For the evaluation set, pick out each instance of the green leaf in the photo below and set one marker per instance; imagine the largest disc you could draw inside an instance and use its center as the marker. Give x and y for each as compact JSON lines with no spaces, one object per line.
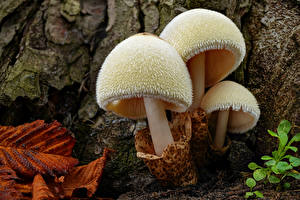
{"x":287,"y":156}
{"x":248,"y":194}
{"x":250,"y":182}
{"x":286,"y":185}
{"x":258,"y":194}
{"x":284,"y":127}
{"x":266,"y":158}
{"x":295,"y":162}
{"x":270,"y":163}
{"x":283,"y":166}
{"x":295,"y":175}
{"x":294,"y":149}
{"x":259,"y":174}
{"x":253,"y":166}
{"x":283,"y":138}
{"x":274,"y":153}
{"x":272,"y":133}
{"x":275,"y":170}
{"x":273,"y":179}
{"x":297,"y":137}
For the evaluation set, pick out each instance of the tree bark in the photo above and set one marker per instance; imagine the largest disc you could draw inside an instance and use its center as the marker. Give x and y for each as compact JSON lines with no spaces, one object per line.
{"x":51,"y":51}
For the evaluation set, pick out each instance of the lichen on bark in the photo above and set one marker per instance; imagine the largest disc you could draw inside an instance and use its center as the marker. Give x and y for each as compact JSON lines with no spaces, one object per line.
{"x":42,"y":62}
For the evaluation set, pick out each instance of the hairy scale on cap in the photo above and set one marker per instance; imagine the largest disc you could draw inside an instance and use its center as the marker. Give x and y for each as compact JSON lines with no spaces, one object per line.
{"x":210,"y":43}
{"x":142,"y":76}
{"x":237,"y":108}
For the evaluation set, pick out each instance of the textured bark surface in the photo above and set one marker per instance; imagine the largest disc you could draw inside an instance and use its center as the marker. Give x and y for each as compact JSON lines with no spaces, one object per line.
{"x":51,"y":51}
{"x":274,"y":67}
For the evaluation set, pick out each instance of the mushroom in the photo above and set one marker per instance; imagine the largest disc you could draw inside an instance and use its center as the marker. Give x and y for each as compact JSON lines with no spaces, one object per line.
{"x":142,"y":76}
{"x":237,"y":109}
{"x":210,"y":43}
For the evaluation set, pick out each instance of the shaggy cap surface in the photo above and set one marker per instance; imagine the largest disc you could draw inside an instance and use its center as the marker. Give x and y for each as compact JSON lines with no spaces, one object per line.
{"x":228,"y":95}
{"x":143,"y":66}
{"x":201,"y":30}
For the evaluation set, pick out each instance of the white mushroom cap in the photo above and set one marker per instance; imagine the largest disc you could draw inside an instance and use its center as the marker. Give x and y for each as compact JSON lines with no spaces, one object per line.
{"x":201,"y":30}
{"x":228,"y":95}
{"x":143,"y":66}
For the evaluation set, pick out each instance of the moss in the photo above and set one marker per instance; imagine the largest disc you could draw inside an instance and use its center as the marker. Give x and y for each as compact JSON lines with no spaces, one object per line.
{"x":23,"y":83}
{"x":165,"y":17}
{"x":23,"y":78}
{"x":124,"y":161}
{"x":8,"y":6}
{"x":79,"y":63}
{"x":70,"y":9}
{"x":194,"y":3}
{"x":47,"y":66}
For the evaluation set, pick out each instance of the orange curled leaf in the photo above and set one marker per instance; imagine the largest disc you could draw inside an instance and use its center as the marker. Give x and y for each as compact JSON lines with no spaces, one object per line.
{"x":37,"y":147}
{"x":7,"y":184}
{"x":24,"y":188}
{"x":86,"y":176}
{"x":7,"y":174}
{"x":40,"y":190}
{"x":38,"y":136}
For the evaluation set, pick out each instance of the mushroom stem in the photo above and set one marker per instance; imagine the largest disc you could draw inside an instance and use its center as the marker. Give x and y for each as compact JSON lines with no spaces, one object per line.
{"x":221,"y":128}
{"x":159,"y":128}
{"x":196,"y":66}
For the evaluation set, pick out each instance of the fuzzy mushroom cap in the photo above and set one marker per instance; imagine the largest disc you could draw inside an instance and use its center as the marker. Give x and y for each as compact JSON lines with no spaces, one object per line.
{"x":228,"y":95}
{"x":143,"y":66}
{"x":200,"y":30}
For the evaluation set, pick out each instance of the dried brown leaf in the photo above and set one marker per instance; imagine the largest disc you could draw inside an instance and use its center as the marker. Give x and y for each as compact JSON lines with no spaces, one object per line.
{"x":7,"y":184}
{"x":86,"y":176}
{"x":40,"y":189}
{"x":24,"y":188}
{"x":37,"y":147}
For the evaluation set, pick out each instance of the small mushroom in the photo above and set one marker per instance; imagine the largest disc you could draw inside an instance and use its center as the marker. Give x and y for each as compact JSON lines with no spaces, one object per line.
{"x":210,"y":43}
{"x":143,"y":76}
{"x":237,"y":109}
